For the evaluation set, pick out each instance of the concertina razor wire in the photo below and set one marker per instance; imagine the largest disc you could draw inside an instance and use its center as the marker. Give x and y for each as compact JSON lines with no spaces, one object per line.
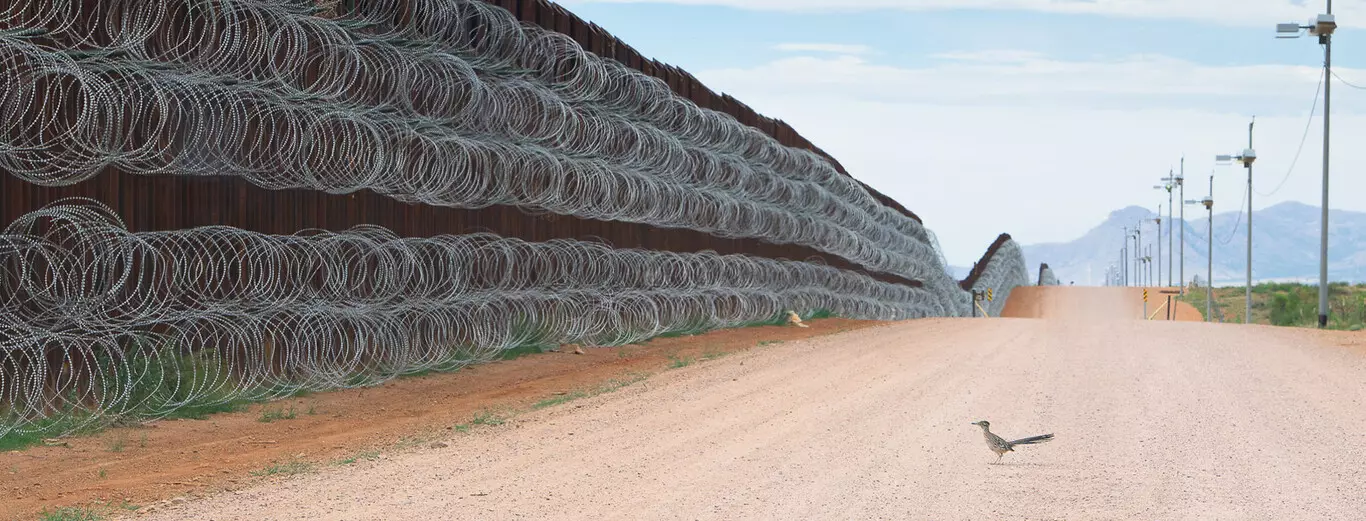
{"x":144,"y":323}
{"x":456,"y":104}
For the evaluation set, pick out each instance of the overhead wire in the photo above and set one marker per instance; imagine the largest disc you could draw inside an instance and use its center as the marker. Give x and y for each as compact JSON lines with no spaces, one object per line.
{"x":1313,"y":108}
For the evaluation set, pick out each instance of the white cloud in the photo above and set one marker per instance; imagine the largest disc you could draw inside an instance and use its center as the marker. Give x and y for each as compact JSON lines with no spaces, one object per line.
{"x":834,"y":48}
{"x":1046,"y":149}
{"x":991,"y":56}
{"x":1231,"y":12}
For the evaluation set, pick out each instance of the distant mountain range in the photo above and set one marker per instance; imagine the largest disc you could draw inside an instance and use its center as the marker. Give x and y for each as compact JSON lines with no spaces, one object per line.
{"x":1285,"y":246}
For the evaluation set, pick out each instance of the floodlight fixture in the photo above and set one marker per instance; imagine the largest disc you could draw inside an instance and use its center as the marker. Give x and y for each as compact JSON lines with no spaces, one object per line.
{"x":1323,"y":25}
{"x":1246,"y":158}
{"x":1288,"y":30}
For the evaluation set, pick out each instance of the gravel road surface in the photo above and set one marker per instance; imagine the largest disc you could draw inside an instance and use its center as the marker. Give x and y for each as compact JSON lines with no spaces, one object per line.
{"x":1153,"y":420}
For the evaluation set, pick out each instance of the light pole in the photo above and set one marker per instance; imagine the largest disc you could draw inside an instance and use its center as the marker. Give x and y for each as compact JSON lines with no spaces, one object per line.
{"x":1246,"y":158}
{"x":1158,"y":220}
{"x":1170,"y":222}
{"x":1168,"y":187}
{"x":1181,"y":184}
{"x":1148,"y":264}
{"x":1209,"y":253}
{"x":1138,"y":252}
{"x":1124,"y":256}
{"x":1322,"y":26}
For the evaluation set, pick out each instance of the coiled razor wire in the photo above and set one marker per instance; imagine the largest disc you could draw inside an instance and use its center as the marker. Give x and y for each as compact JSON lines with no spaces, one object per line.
{"x":1047,"y":278}
{"x":1005,"y":271}
{"x":459,"y":105}
{"x":115,"y":324}
{"x":449,"y":103}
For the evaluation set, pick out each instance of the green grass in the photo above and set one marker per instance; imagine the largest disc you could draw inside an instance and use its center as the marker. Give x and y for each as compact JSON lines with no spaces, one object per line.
{"x":279,"y":413}
{"x":69,"y":423}
{"x":166,"y":375}
{"x":610,"y":386}
{"x":561,"y":399}
{"x":70,"y":514}
{"x":488,"y":418}
{"x":117,"y":443}
{"x":369,"y":455}
{"x":676,"y":363}
{"x":713,"y":355}
{"x":770,"y":342}
{"x":285,"y":469}
{"x":521,"y":351}
{"x":1286,"y":304}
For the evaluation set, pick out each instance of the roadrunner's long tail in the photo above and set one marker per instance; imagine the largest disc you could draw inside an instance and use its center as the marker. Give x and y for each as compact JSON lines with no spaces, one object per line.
{"x":1032,"y":440}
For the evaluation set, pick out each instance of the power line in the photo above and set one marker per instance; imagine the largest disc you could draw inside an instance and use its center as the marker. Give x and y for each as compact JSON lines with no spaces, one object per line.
{"x":1347,"y":83}
{"x":1313,"y":109}
{"x":1241,"y":207}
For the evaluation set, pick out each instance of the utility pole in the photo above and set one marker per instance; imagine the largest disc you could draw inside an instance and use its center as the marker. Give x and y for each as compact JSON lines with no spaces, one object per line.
{"x":1124,"y":256}
{"x":1246,"y":158}
{"x":1170,"y":223}
{"x":1159,"y":247}
{"x":1327,"y":39}
{"x":1322,"y":26}
{"x":1181,"y":183}
{"x":1209,"y":233}
{"x":1209,"y":257}
{"x":1247,"y":319}
{"x":1138,"y":251}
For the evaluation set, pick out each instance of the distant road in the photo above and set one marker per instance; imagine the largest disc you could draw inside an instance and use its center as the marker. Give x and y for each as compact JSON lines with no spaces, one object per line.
{"x":1153,"y":420}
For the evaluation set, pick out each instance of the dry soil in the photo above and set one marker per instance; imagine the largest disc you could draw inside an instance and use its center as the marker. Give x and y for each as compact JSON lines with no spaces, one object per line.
{"x":1153,"y":420}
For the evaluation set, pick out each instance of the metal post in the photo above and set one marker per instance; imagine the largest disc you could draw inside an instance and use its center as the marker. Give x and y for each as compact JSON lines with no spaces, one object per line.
{"x":1170,"y":223}
{"x":1323,"y":218}
{"x":1247,"y":318}
{"x":1209,"y":254}
{"x":1138,"y":251}
{"x":1181,"y":182}
{"x":1159,"y":246}
{"x":1124,"y":256}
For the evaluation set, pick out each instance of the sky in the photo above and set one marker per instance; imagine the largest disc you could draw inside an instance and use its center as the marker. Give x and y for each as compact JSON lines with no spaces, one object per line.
{"x":1032,"y":117}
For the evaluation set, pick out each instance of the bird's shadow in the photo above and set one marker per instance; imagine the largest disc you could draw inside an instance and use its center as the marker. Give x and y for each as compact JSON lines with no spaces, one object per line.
{"x":1021,"y":464}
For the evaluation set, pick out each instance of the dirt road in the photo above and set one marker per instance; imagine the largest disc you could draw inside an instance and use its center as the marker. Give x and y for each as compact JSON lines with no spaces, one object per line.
{"x":1153,"y":420}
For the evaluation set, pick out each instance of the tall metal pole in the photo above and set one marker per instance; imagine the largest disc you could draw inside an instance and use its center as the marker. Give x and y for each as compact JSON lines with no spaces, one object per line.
{"x":1323,"y":218}
{"x":1247,"y":318}
{"x":1181,"y":182}
{"x":1148,"y":259}
{"x":1124,"y":256}
{"x":1159,"y":246}
{"x":1209,"y":254}
{"x":1170,"y":223}
{"x":1138,"y":251}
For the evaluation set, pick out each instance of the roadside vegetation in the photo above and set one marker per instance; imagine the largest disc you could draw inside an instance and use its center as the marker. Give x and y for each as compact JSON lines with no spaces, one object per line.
{"x":1286,"y":304}
{"x":200,"y":406}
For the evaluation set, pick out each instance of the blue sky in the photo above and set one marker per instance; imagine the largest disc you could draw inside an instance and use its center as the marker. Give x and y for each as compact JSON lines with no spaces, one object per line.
{"x":1033,"y":117}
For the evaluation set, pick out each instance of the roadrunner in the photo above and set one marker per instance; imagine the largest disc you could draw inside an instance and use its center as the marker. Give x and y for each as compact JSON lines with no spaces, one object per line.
{"x":1001,"y":446}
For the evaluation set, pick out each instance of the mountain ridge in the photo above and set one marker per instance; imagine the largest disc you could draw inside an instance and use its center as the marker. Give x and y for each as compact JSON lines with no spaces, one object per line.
{"x":1285,"y":246}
